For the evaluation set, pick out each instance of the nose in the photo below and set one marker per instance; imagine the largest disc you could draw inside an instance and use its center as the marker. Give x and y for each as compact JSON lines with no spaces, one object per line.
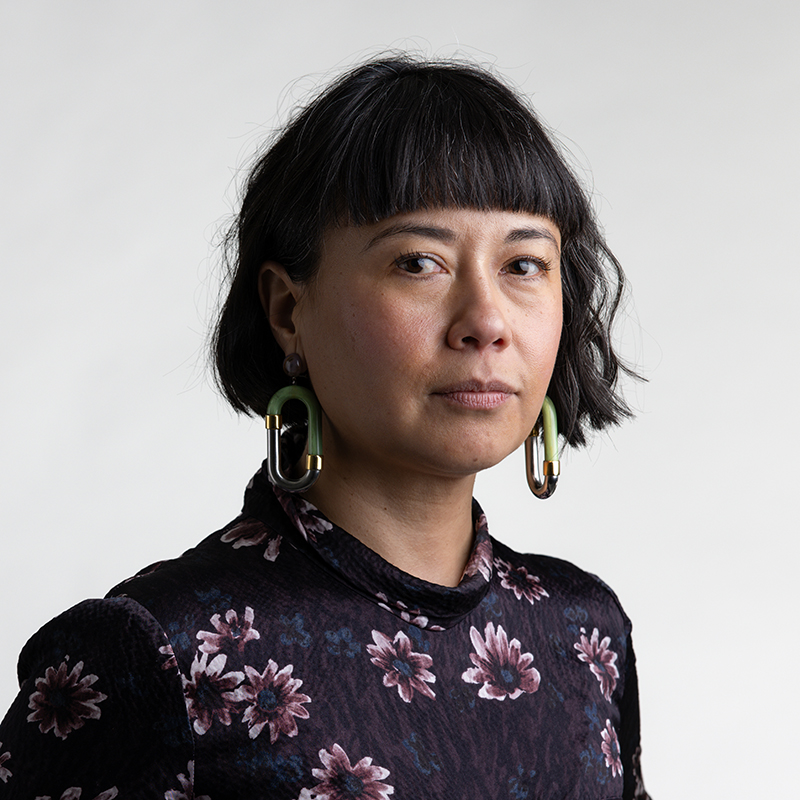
{"x":479,"y":320}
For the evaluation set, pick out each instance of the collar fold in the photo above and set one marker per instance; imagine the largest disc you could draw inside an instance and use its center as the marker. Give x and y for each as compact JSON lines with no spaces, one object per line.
{"x":418,"y":602}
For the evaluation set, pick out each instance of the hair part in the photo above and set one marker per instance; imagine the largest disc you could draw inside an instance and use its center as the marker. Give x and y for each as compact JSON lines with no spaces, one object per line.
{"x":397,"y":135}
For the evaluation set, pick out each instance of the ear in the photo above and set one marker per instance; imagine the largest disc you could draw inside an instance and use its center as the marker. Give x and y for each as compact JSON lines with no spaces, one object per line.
{"x":279,"y":295}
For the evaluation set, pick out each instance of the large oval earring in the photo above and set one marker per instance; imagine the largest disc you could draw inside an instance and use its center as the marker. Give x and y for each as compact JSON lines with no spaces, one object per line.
{"x":543,"y":476}
{"x":293,"y":366}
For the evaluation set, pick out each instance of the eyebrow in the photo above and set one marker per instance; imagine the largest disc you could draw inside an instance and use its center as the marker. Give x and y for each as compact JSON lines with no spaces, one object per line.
{"x":448,"y":236}
{"x":426,"y":231}
{"x":531,"y":232}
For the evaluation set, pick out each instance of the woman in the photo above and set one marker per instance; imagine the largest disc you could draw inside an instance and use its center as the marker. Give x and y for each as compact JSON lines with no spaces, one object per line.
{"x":413,"y":249}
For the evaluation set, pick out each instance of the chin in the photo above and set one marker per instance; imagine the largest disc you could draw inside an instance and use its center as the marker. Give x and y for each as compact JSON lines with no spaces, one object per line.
{"x":482,"y":451}
{"x":458,"y":452}
{"x":468,"y":463}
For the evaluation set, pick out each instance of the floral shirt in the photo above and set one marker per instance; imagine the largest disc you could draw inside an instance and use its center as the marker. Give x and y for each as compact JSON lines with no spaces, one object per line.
{"x":283,"y":659}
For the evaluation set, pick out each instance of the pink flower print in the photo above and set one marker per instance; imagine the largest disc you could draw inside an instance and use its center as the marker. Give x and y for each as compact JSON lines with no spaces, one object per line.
{"x":602,"y":661}
{"x":75,"y":792}
{"x":307,"y":518}
{"x":273,"y":548}
{"x":63,"y":701}
{"x":231,"y":634}
{"x":480,"y":561}
{"x":170,"y":660}
{"x":5,"y":772}
{"x":251,"y":532}
{"x":500,"y":665}
{"x":342,"y":781}
{"x":519,"y":581}
{"x":610,"y":748}
{"x":209,"y":693}
{"x":186,"y":792}
{"x":402,"y":667}
{"x":247,"y":533}
{"x":410,"y":615}
{"x":274,"y":701}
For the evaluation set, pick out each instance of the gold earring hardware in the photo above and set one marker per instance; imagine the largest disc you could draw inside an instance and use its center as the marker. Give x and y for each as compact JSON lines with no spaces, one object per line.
{"x":543,"y":475}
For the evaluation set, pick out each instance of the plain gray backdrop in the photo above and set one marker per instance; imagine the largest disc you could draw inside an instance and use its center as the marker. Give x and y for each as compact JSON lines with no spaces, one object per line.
{"x":125,"y":128}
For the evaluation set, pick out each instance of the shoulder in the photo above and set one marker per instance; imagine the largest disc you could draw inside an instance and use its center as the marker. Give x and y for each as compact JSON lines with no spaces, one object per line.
{"x":234,"y":575}
{"x":230,"y":556}
{"x":91,"y":680}
{"x":253,"y":550}
{"x":91,"y":625}
{"x":580,"y":596}
{"x":111,"y":645}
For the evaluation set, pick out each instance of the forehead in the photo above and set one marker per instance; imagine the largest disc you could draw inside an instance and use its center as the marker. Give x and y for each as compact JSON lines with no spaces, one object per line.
{"x":450,"y":226}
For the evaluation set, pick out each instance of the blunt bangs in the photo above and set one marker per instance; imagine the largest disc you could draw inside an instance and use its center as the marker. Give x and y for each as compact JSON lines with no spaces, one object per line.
{"x":448,"y":138}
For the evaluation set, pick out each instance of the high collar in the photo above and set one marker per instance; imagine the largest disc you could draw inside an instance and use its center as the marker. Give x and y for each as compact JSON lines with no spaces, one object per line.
{"x":414,"y":600}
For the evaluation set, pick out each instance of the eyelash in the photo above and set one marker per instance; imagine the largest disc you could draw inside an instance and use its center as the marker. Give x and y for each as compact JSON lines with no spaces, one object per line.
{"x":406,"y":257}
{"x":543,"y":265}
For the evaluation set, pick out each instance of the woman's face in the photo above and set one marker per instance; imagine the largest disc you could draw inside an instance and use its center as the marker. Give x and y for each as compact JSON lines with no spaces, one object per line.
{"x":430,"y":338}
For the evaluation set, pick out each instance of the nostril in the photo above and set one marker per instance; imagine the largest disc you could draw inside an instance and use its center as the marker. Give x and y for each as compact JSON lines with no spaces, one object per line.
{"x":474,"y":341}
{"x":479,"y":321}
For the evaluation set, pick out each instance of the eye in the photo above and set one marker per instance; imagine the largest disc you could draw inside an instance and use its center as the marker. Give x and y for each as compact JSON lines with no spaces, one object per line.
{"x":417,"y":264}
{"x":527,"y":267}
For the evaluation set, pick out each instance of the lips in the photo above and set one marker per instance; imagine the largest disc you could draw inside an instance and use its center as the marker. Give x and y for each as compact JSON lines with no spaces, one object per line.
{"x":476,"y":394}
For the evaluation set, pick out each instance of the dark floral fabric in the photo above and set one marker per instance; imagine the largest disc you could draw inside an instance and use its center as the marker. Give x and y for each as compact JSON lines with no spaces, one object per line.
{"x":283,"y":659}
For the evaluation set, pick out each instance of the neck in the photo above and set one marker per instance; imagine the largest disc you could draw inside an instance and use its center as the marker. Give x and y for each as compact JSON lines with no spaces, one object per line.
{"x":421,"y":525}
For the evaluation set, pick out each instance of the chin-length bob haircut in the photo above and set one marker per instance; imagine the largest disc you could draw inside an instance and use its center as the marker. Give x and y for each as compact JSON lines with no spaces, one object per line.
{"x":397,"y":135}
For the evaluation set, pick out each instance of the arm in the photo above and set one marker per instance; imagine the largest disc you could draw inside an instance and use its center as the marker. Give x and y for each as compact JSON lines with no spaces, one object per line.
{"x":629,"y":732}
{"x":100,"y":712}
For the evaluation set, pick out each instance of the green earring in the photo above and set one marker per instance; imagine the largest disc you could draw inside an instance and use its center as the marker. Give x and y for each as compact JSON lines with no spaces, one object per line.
{"x":543,"y":477}
{"x":293,"y":366}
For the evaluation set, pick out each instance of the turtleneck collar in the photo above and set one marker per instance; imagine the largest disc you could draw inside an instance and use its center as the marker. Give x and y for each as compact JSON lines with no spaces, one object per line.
{"x":414,"y":600}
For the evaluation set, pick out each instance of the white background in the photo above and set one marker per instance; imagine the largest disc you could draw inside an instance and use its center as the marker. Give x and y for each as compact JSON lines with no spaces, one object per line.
{"x":124,"y":131}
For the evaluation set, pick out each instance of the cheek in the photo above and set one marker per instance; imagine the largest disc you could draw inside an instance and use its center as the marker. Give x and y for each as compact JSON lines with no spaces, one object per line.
{"x":552,"y":325}
{"x":556,"y":325}
{"x":385,"y":335}
{"x":364,"y":343}
{"x":543,"y":335}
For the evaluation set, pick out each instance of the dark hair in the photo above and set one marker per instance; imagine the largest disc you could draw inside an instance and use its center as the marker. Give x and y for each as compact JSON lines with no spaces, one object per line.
{"x":396,"y":135}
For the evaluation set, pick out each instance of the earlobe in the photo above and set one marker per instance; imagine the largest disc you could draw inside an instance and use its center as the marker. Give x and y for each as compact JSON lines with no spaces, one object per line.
{"x":279,"y":295}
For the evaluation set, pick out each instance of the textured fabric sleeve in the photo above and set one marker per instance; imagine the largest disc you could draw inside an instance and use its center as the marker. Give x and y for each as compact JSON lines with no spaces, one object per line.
{"x":100,"y":712}
{"x":629,"y":732}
